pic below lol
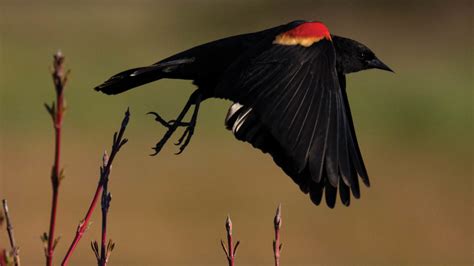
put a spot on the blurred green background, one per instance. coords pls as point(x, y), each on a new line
point(414, 129)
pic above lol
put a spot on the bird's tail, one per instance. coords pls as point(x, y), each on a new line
point(176, 66)
point(130, 79)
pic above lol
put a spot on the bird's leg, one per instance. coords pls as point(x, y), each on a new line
point(189, 131)
point(172, 125)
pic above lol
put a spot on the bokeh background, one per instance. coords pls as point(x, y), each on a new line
point(414, 129)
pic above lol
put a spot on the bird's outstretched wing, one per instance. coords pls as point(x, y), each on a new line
point(293, 107)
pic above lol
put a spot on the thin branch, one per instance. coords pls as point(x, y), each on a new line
point(3, 252)
point(105, 203)
point(56, 110)
point(118, 142)
point(2, 218)
point(231, 250)
point(276, 243)
point(11, 235)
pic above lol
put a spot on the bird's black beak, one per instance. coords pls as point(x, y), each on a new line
point(376, 63)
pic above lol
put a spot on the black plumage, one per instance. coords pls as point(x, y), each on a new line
point(289, 92)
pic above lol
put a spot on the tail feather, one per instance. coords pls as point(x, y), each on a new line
point(174, 67)
point(130, 79)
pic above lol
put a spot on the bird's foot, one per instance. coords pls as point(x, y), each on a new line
point(172, 125)
point(189, 131)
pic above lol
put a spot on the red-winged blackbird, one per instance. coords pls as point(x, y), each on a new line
point(289, 91)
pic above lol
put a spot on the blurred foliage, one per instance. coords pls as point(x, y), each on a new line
point(414, 127)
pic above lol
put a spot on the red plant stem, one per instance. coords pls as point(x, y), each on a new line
point(276, 242)
point(118, 142)
point(59, 79)
point(3, 257)
point(55, 180)
point(52, 225)
point(277, 250)
point(231, 249)
point(83, 225)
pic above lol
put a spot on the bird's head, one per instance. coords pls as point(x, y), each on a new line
point(353, 56)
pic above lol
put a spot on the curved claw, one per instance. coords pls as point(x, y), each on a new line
point(182, 147)
point(153, 113)
point(159, 119)
point(186, 138)
point(180, 140)
point(159, 146)
point(156, 151)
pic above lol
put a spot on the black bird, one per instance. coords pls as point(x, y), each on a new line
point(288, 87)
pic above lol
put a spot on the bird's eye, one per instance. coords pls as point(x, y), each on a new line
point(362, 55)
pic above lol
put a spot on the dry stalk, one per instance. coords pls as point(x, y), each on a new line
point(15, 249)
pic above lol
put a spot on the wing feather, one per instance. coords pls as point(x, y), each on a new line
point(293, 106)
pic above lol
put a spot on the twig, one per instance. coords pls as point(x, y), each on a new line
point(11, 236)
point(3, 252)
point(2, 218)
point(276, 243)
point(231, 250)
point(56, 110)
point(118, 142)
point(105, 203)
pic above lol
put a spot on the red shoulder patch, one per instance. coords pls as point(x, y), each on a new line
point(305, 34)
